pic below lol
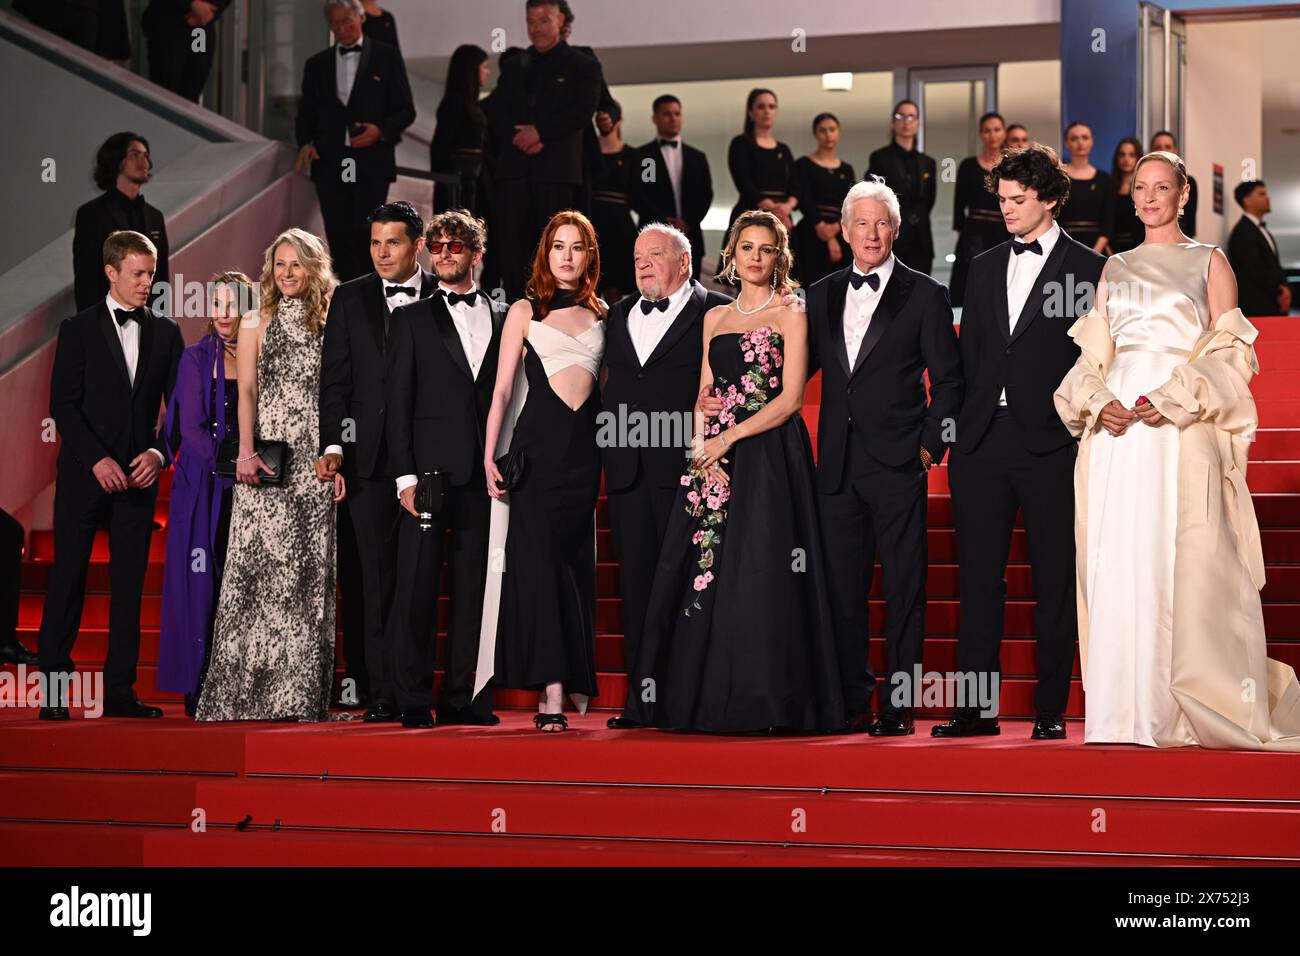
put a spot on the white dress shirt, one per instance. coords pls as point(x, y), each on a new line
point(128, 334)
point(673, 163)
point(474, 327)
point(1259, 223)
point(646, 331)
point(860, 305)
point(1022, 276)
point(345, 75)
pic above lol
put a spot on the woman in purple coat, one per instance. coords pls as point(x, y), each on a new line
point(201, 414)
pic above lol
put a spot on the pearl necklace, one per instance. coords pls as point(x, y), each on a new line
point(770, 296)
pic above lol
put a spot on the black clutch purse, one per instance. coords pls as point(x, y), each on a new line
point(430, 490)
point(511, 465)
point(274, 453)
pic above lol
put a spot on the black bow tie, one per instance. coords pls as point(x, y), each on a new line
point(872, 279)
point(647, 305)
point(350, 49)
point(1034, 247)
point(671, 143)
point(455, 297)
point(392, 290)
point(124, 316)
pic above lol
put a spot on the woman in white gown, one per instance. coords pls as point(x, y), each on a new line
point(1171, 631)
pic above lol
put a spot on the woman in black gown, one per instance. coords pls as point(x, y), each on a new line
point(1125, 230)
point(457, 145)
point(1088, 208)
point(761, 166)
point(976, 215)
point(738, 633)
point(822, 180)
point(611, 213)
point(539, 609)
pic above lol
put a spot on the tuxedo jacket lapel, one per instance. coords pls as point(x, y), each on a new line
point(892, 301)
point(685, 320)
point(106, 323)
point(1049, 273)
point(1002, 306)
point(376, 311)
point(836, 294)
point(450, 338)
point(146, 346)
point(428, 283)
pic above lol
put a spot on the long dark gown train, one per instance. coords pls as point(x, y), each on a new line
point(738, 636)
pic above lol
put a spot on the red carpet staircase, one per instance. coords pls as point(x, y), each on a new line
point(345, 793)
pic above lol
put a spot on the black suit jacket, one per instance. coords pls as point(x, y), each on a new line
point(1031, 362)
point(668, 382)
point(381, 94)
point(352, 372)
point(1259, 271)
point(654, 201)
point(98, 411)
point(559, 98)
point(882, 397)
point(915, 196)
point(95, 220)
point(437, 410)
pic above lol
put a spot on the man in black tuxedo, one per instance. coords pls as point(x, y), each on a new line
point(114, 365)
point(539, 113)
point(876, 328)
point(442, 369)
point(911, 175)
point(122, 167)
point(169, 26)
point(654, 347)
point(1012, 451)
point(356, 102)
point(1262, 288)
point(353, 402)
point(681, 189)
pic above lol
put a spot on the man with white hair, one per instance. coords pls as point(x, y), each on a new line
point(654, 347)
point(875, 329)
point(356, 103)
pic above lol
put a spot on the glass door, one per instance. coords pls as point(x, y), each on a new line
point(951, 101)
point(1162, 67)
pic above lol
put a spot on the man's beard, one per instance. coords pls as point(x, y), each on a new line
point(456, 277)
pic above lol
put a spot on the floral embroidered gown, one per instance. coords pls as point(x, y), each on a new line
point(738, 634)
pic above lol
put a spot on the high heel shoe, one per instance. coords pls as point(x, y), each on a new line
point(545, 722)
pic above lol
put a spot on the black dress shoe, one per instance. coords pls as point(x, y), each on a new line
point(15, 653)
point(893, 725)
point(382, 712)
point(130, 708)
point(54, 713)
point(967, 725)
point(466, 716)
point(858, 723)
point(622, 723)
point(417, 718)
point(1048, 727)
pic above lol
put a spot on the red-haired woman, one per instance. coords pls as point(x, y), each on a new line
point(540, 599)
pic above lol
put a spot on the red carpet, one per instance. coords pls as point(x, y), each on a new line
point(108, 792)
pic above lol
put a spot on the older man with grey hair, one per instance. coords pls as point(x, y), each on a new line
point(356, 103)
point(654, 348)
point(875, 329)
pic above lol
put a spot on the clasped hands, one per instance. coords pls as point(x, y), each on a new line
point(327, 469)
point(707, 454)
point(1115, 418)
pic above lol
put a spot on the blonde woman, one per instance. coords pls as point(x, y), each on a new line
point(273, 642)
point(739, 636)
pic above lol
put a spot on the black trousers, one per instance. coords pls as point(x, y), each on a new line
point(344, 207)
point(876, 508)
point(368, 538)
point(80, 507)
point(638, 521)
point(988, 485)
point(11, 560)
point(522, 209)
point(176, 66)
point(414, 621)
